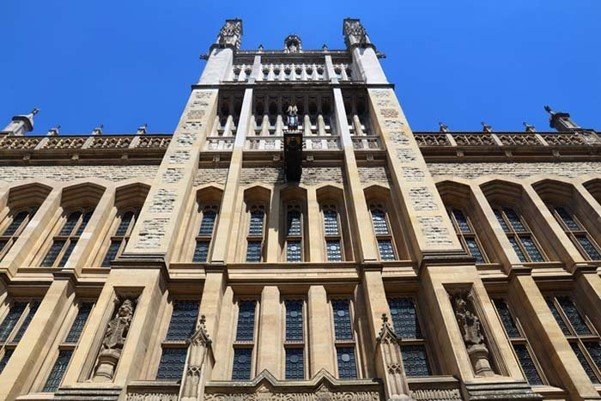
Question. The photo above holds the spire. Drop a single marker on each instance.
(561, 121)
(54, 131)
(142, 129)
(98, 130)
(443, 127)
(355, 34)
(529, 127)
(486, 127)
(20, 124)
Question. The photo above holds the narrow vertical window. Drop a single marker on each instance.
(381, 227)
(519, 342)
(256, 234)
(174, 346)
(12, 227)
(294, 234)
(577, 233)
(67, 347)
(14, 326)
(413, 344)
(245, 341)
(294, 344)
(205, 234)
(467, 235)
(332, 233)
(521, 238)
(344, 339)
(65, 241)
(582, 336)
(122, 231)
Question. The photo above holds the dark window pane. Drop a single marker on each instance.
(253, 251)
(379, 221)
(79, 323)
(568, 219)
(507, 319)
(124, 224)
(84, 222)
(527, 364)
(8, 352)
(9, 322)
(404, 318)
(33, 307)
(386, 249)
(594, 350)
(342, 320)
(208, 223)
(2, 245)
(256, 223)
(531, 248)
(501, 221)
(111, 253)
(333, 250)
(172, 363)
(474, 250)
(461, 221)
(58, 371)
(294, 223)
(183, 320)
(573, 315)
(67, 253)
(201, 252)
(585, 364)
(517, 249)
(514, 219)
(16, 223)
(415, 360)
(557, 316)
(295, 366)
(330, 222)
(69, 225)
(590, 249)
(53, 252)
(242, 363)
(246, 321)
(294, 320)
(293, 251)
(347, 368)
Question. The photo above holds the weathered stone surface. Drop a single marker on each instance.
(152, 233)
(422, 199)
(373, 174)
(520, 170)
(434, 231)
(211, 176)
(69, 173)
(163, 201)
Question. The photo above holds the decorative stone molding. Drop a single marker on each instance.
(151, 397)
(500, 391)
(355, 34)
(199, 347)
(389, 355)
(436, 395)
(230, 35)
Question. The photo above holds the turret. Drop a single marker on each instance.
(221, 53)
(561, 121)
(364, 53)
(20, 125)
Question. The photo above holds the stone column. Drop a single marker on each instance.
(269, 350)
(315, 240)
(320, 331)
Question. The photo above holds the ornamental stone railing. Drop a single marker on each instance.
(33, 144)
(312, 143)
(362, 142)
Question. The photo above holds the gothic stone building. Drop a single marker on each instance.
(295, 240)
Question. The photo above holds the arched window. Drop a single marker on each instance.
(467, 234)
(64, 242)
(205, 234)
(332, 233)
(577, 233)
(12, 226)
(383, 232)
(294, 233)
(256, 233)
(122, 231)
(521, 238)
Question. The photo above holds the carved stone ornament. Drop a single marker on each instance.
(230, 34)
(390, 358)
(471, 331)
(355, 34)
(293, 44)
(199, 347)
(113, 342)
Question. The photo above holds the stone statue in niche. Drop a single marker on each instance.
(113, 342)
(230, 34)
(293, 44)
(355, 34)
(292, 117)
(473, 336)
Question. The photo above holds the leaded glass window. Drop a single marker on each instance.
(253, 251)
(332, 233)
(65, 241)
(255, 237)
(294, 234)
(379, 219)
(333, 250)
(78, 324)
(5, 358)
(294, 320)
(293, 251)
(33, 308)
(246, 321)
(386, 249)
(347, 367)
(205, 234)
(172, 363)
(58, 371)
(519, 342)
(295, 366)
(123, 228)
(183, 320)
(330, 222)
(415, 360)
(242, 364)
(342, 320)
(13, 225)
(467, 235)
(344, 338)
(201, 252)
(581, 238)
(294, 344)
(13, 327)
(521, 238)
(245, 340)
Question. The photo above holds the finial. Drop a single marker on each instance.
(384, 318)
(549, 110)
(54, 131)
(486, 127)
(443, 127)
(98, 130)
(324, 47)
(529, 127)
(261, 48)
(35, 111)
(142, 129)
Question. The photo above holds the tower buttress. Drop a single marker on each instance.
(561, 121)
(365, 59)
(221, 54)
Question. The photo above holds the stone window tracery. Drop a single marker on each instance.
(344, 339)
(467, 235)
(64, 242)
(294, 343)
(383, 232)
(205, 233)
(332, 233)
(521, 238)
(244, 343)
(13, 327)
(12, 227)
(294, 233)
(577, 233)
(256, 233)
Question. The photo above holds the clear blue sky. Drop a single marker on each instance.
(122, 63)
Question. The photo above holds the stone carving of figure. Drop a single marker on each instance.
(473, 336)
(355, 34)
(113, 341)
(230, 34)
(292, 117)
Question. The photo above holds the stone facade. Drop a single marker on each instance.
(71, 173)
(517, 170)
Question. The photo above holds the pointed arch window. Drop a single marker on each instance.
(64, 242)
(467, 235)
(574, 229)
(205, 233)
(256, 233)
(12, 227)
(13, 327)
(521, 238)
(383, 232)
(332, 233)
(294, 233)
(125, 222)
